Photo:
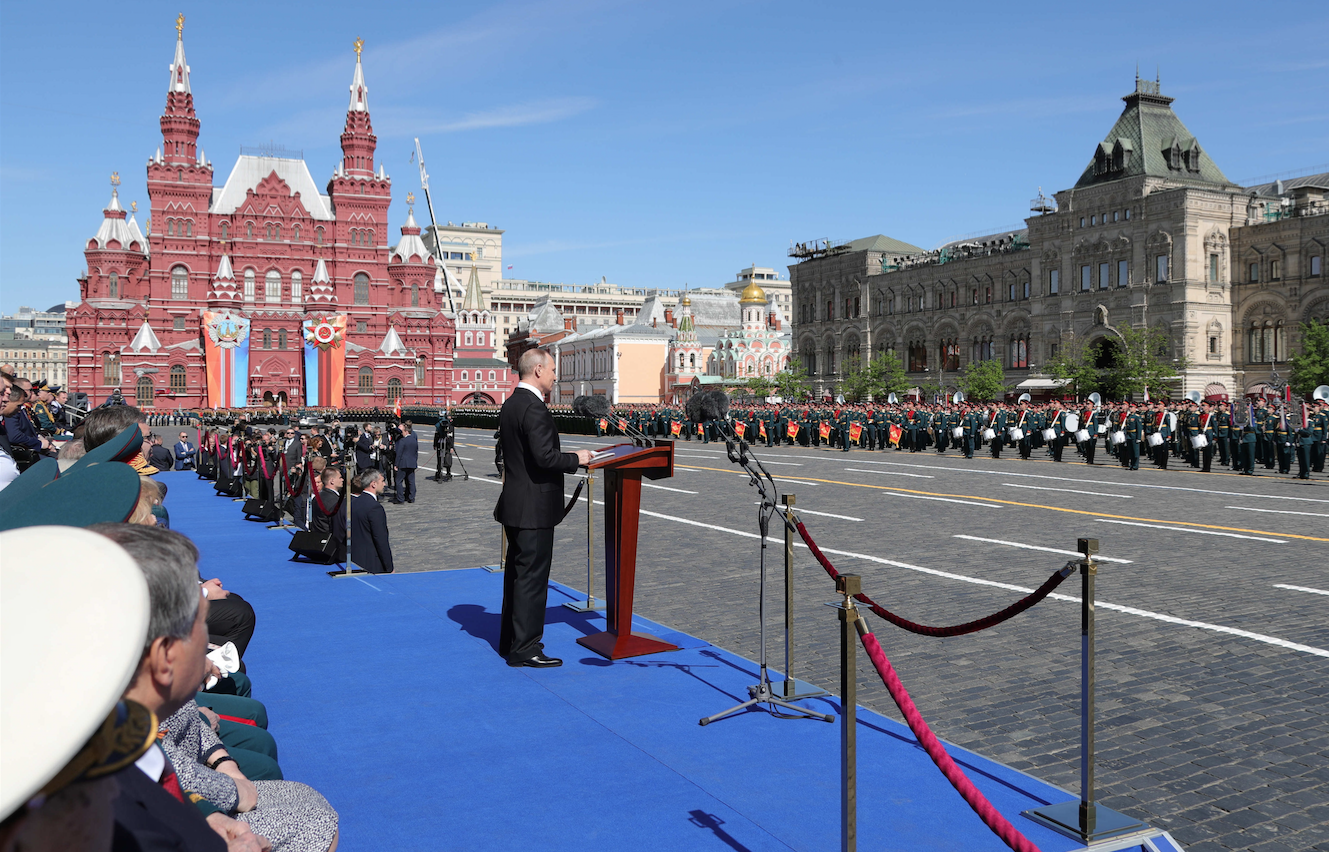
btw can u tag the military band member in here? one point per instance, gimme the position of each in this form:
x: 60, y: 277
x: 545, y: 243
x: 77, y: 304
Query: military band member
x: 1319, y: 427
x: 1089, y: 423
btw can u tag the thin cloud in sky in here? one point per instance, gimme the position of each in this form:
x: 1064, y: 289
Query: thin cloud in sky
x: 513, y: 115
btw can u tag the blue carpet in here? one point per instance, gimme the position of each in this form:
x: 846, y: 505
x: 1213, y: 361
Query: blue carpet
x: 385, y: 694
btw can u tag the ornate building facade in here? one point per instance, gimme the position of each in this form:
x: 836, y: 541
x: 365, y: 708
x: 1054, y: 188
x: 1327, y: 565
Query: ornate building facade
x: 1152, y: 235
x: 262, y: 288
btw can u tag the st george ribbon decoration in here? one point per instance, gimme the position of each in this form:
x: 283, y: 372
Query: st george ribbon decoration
x: 226, y: 350
x: 325, y: 361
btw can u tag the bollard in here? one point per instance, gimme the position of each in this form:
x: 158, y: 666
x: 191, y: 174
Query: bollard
x: 1086, y: 820
x: 848, y: 585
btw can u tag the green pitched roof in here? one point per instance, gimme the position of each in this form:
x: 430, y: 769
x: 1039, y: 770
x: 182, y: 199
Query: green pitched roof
x: 885, y: 244
x: 1149, y: 139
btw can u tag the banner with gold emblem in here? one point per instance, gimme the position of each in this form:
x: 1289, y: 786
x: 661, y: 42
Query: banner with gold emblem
x: 325, y: 361
x: 226, y: 354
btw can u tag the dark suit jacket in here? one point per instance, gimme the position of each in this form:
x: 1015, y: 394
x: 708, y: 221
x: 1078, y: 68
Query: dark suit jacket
x: 149, y: 819
x: 364, y: 445
x: 160, y: 457
x: 532, y: 496
x: 408, y: 452
x: 370, y: 549
x: 319, y: 522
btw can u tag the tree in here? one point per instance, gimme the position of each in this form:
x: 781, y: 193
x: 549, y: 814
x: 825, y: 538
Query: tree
x: 983, y: 380
x: 887, y: 375
x: 760, y: 387
x: 1074, y: 362
x: 792, y: 382
x: 1310, y: 368
x: 855, y: 382
x: 1138, y: 364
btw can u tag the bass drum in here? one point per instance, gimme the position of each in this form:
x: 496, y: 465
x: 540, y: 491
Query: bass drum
x: 1172, y: 422
x: 1016, y: 433
x: 1155, y: 440
x: 1072, y: 423
x: 989, y: 434
x: 1117, y: 438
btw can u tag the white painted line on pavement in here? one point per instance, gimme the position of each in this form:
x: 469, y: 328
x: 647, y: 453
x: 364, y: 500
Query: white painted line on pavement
x: 1127, y: 610
x: 891, y: 473
x: 942, y: 499
x: 1302, y: 589
x: 822, y: 514
x: 1189, y: 530
x: 666, y: 488
x: 1044, y: 549
x: 1278, y: 511
x: 797, y: 481
x: 1095, y: 481
x: 1068, y: 490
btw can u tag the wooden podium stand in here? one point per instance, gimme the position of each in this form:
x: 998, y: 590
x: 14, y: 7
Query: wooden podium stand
x: 623, y: 472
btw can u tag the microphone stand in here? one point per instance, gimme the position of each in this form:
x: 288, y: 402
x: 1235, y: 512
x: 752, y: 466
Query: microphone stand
x: 762, y: 693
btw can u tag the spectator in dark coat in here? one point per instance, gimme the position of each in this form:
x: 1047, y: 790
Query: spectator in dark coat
x: 408, y: 459
x: 158, y: 456
x: 370, y: 549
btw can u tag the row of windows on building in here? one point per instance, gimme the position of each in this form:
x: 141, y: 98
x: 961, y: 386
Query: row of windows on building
x: 1275, y: 267
x: 272, y: 286
x: 145, y: 389
x: 1102, y: 218
x: 916, y: 360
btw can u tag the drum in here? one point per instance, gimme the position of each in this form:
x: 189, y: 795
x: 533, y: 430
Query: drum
x: 1049, y: 434
x: 1072, y: 423
x: 1102, y: 429
x: 989, y: 434
x: 1155, y: 440
x: 1082, y: 435
x: 1199, y: 442
x: 957, y: 432
x: 1016, y: 434
x: 1117, y: 437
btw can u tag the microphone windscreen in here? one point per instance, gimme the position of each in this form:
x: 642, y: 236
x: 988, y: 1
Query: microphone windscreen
x: 579, y: 405
x: 720, y: 399
x: 693, y: 408
x: 594, y: 406
x: 708, y: 405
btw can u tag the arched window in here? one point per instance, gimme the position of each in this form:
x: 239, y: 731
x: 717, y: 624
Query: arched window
x: 249, y: 285
x: 143, y: 392
x: 110, y: 368
x: 318, y: 235
x: 295, y: 233
x: 415, y: 295
x: 178, y: 378
x: 366, y: 380
x: 463, y: 375
x: 1267, y: 343
x: 114, y: 286
x: 170, y: 227
x: 420, y: 372
x: 249, y: 230
x: 491, y: 375
x: 297, y: 280
x: 179, y: 283
x: 281, y: 338
x: 267, y: 338
x: 394, y: 389
x: 692, y: 360
x: 361, y: 288
x: 470, y: 340
x: 189, y: 227
x: 272, y: 286
x: 225, y: 231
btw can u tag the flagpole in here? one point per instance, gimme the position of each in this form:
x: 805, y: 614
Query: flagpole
x: 433, y: 224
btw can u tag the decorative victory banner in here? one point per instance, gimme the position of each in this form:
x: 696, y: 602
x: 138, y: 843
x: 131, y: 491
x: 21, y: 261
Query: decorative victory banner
x: 325, y: 361
x: 226, y: 350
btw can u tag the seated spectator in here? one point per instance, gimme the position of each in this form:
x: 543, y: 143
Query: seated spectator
x: 103, y: 424
x: 292, y: 816
x: 327, y: 502
x: 71, y: 452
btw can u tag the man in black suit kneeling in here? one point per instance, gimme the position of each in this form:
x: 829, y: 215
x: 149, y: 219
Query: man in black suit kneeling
x: 529, y: 508
x: 370, y: 549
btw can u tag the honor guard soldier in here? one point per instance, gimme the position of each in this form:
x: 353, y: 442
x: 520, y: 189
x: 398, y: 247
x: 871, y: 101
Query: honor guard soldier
x: 1210, y: 435
x: 1134, y: 430
x: 997, y: 423
x: 1223, y: 431
x: 1250, y: 440
x: 1282, y: 442
x: 1319, y: 426
x: 1163, y: 428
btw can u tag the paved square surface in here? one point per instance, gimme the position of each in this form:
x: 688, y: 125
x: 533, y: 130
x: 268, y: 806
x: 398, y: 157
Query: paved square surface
x: 1213, y: 628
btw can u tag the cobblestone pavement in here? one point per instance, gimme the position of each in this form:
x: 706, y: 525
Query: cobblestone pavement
x: 1213, y: 645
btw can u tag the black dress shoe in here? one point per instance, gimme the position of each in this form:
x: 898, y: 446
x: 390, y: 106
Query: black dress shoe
x: 539, y: 661
x: 395, y: 501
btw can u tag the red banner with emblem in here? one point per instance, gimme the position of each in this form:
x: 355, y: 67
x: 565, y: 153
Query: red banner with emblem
x: 675, y: 428
x: 895, y: 433
x: 825, y: 431
x: 855, y: 432
x: 792, y: 430
x: 740, y: 429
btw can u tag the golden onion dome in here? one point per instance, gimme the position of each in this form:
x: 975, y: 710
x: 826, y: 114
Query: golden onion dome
x: 752, y: 295
x: 687, y: 300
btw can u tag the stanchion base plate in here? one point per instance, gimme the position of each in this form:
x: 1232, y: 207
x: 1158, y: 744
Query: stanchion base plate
x: 354, y: 572
x: 493, y: 569
x: 1104, y: 823
x: 585, y: 606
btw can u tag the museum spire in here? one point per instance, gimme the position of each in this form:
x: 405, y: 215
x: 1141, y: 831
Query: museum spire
x: 357, y: 139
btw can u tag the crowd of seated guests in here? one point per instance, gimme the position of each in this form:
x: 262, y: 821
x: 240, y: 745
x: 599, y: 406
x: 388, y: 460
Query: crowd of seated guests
x: 182, y: 733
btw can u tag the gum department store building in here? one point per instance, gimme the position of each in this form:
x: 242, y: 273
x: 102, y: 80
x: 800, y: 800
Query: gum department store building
x: 1151, y: 235
x: 274, y: 251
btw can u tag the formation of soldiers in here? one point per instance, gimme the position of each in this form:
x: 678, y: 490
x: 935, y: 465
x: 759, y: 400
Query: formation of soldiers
x: 1162, y: 432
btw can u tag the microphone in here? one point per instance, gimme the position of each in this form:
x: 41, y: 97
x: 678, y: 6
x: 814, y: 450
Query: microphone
x: 707, y: 405
x: 596, y: 407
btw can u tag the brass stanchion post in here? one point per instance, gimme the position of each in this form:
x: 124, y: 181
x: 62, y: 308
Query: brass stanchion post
x: 848, y: 585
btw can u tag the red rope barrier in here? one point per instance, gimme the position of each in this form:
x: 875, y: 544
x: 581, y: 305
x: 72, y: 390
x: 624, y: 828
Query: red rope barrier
x: 954, y: 630
x: 1000, y: 826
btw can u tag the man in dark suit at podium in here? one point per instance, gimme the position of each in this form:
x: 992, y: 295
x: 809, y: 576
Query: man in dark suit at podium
x: 529, y: 508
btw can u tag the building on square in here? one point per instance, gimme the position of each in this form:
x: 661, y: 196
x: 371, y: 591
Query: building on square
x: 262, y: 288
x: 1152, y: 235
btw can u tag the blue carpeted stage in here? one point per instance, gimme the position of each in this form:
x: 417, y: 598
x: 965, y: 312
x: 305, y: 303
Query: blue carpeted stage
x: 386, y: 695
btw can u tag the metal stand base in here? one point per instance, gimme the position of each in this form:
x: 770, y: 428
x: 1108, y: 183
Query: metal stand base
x: 493, y: 569
x: 349, y: 571
x: 1093, y: 824
x: 763, y: 694
x: 789, y: 691
x: 588, y: 605
x: 282, y: 526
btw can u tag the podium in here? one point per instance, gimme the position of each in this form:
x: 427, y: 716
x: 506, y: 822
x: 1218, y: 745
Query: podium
x: 624, y: 470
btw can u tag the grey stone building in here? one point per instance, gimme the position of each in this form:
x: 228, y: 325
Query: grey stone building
x: 1153, y: 234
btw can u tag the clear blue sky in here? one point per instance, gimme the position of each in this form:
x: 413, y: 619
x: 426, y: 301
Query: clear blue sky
x: 651, y: 143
